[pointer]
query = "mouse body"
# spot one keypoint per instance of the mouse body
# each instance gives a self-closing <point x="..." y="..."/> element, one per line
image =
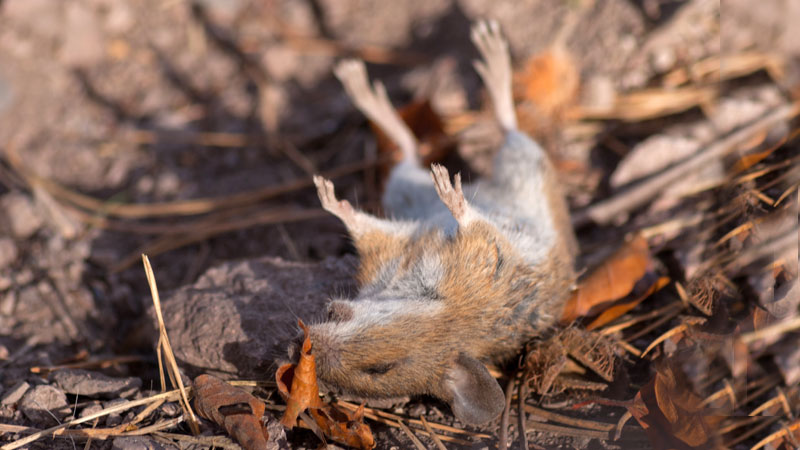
<point x="455" y="276"/>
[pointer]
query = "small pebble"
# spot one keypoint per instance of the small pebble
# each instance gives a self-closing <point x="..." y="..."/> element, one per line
<point x="94" y="384"/>
<point x="135" y="443"/>
<point x="40" y="403"/>
<point x="23" y="216"/>
<point x="15" y="394"/>
<point x="115" y="418"/>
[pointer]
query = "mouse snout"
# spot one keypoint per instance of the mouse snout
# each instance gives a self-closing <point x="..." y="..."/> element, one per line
<point x="324" y="347"/>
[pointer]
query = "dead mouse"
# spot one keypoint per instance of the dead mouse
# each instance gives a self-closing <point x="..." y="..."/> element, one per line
<point x="459" y="275"/>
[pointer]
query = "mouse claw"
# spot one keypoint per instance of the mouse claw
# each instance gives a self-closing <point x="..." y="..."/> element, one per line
<point x="452" y="196"/>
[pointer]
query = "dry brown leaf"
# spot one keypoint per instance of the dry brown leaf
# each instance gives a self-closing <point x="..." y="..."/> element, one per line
<point x="619" y="309"/>
<point x="338" y="425"/>
<point x="213" y="396"/>
<point x="302" y="378"/>
<point x="750" y="160"/>
<point x="672" y="415"/>
<point x="428" y="128"/>
<point x="344" y="426"/>
<point x="549" y="81"/>
<point x="610" y="281"/>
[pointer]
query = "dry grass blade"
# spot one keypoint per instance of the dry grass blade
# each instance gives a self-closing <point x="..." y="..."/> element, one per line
<point x="567" y="431"/>
<point x="607" y="210"/>
<point x="778" y="328"/>
<point x="174" y="208"/>
<point x="672" y="308"/>
<point x="649" y="103"/>
<point x="783" y="432"/>
<point x="566" y="420"/>
<point x="396" y="418"/>
<point x="668" y="334"/>
<point x="779" y="399"/>
<point x="164" y="343"/>
<point x="60" y="429"/>
<point x="720" y="68"/>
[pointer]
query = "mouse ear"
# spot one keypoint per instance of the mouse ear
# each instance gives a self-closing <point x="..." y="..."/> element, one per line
<point x="473" y="393"/>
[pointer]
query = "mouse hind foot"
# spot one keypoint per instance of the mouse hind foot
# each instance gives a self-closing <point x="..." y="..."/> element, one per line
<point x="374" y="103"/>
<point x="495" y="70"/>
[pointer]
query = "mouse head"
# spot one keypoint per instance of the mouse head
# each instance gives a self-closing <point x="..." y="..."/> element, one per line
<point x="398" y="347"/>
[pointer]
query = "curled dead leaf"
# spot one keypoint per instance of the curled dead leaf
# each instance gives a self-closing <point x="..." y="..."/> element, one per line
<point x="298" y="386"/>
<point x="618" y="309"/>
<point x="611" y="281"/>
<point x="233" y="409"/>
<point x="673" y="416"/>
<point x="302" y="378"/>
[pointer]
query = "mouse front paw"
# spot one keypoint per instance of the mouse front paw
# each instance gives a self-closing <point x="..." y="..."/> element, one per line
<point x="451" y="195"/>
<point x="339" y="208"/>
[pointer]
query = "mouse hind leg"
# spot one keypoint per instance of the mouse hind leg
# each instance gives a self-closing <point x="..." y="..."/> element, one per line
<point x="374" y="103"/>
<point x="409" y="192"/>
<point x="521" y="163"/>
<point x="495" y="70"/>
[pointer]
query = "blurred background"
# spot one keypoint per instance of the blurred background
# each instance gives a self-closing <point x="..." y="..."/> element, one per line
<point x="188" y="130"/>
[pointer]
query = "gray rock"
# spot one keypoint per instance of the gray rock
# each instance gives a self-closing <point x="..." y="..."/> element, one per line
<point x="239" y="317"/>
<point x="115" y="418"/>
<point x="94" y="408"/>
<point x="14" y="394"/>
<point x="23" y="217"/>
<point x="8" y="252"/>
<point x="38" y="403"/>
<point x="135" y="443"/>
<point x="94" y="384"/>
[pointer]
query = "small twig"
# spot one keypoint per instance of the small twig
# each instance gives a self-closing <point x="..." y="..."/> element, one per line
<point x="502" y="438"/>
<point x="155" y="427"/>
<point x="410" y="435"/>
<point x="433" y="435"/>
<point x="90" y="364"/>
<point x="747" y="434"/>
<point x="566" y="420"/>
<point x="566" y="431"/>
<point x="209" y="441"/>
<point x="522" y="394"/>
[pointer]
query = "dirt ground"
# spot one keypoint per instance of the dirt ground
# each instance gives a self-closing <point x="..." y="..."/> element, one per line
<point x="188" y="130"/>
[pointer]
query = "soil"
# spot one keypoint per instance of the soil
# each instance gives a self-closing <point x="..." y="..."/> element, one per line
<point x="160" y="101"/>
